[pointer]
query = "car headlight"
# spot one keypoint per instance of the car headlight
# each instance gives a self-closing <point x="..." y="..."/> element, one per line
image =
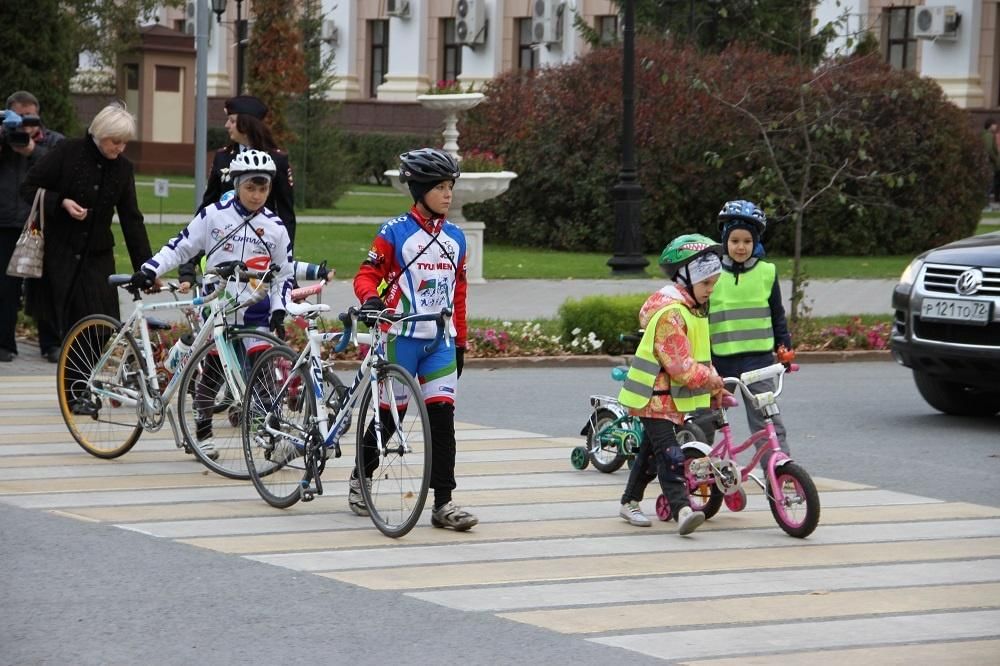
<point x="910" y="274"/>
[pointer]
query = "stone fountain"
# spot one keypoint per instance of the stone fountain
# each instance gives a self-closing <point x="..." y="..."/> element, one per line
<point x="472" y="187"/>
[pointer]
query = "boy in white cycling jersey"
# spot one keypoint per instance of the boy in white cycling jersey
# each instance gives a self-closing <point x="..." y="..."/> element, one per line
<point x="241" y="229"/>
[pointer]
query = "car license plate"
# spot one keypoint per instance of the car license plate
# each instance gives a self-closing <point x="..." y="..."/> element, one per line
<point x="945" y="309"/>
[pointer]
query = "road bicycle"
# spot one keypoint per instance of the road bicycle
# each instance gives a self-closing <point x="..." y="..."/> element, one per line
<point x="294" y="419"/>
<point x="715" y="476"/>
<point x="109" y="385"/>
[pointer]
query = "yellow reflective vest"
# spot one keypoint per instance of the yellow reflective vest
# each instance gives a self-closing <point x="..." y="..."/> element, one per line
<point x="740" y="317"/>
<point x="638" y="387"/>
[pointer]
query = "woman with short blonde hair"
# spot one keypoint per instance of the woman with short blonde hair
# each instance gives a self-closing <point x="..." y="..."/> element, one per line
<point x="113" y="122"/>
<point x="86" y="181"/>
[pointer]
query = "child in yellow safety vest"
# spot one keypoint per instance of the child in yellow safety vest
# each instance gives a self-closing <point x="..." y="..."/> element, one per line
<point x="671" y="375"/>
<point x="747" y="319"/>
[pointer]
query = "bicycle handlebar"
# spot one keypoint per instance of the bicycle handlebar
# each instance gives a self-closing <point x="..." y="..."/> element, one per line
<point x="753" y="376"/>
<point x="372" y="319"/>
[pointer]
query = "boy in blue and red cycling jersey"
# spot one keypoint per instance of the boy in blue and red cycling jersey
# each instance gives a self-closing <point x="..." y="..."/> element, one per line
<point x="416" y="265"/>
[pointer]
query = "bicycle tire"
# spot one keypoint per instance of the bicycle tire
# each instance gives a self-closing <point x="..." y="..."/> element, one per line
<point x="800" y="490"/>
<point x="102" y="427"/>
<point x="705" y="497"/>
<point x="613" y="459"/>
<point x="201" y="370"/>
<point x="269" y="396"/>
<point x="400" y="478"/>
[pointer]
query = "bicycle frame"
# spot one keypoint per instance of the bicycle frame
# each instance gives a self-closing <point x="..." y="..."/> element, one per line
<point x="153" y="404"/>
<point x="721" y="458"/>
<point x="375" y="357"/>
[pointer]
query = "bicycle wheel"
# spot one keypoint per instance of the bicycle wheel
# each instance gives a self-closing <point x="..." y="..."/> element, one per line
<point x="795" y="502"/>
<point x="398" y="460"/>
<point x="282" y="399"/>
<point x="606" y="455"/>
<point x="97" y="402"/>
<point x="706" y="496"/>
<point x="208" y="408"/>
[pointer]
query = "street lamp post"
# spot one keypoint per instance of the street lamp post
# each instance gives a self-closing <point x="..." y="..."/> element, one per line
<point x="219" y="7"/>
<point x="628" y="259"/>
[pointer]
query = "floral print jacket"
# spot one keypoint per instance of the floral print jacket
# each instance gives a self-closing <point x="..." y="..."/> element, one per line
<point x="673" y="350"/>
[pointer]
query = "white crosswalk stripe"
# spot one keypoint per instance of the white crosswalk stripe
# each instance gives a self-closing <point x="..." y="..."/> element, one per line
<point x="888" y="577"/>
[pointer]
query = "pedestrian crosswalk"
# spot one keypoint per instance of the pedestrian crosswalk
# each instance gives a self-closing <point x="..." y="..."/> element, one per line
<point x="888" y="577"/>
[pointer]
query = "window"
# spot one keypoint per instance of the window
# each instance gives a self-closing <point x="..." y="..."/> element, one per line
<point x="607" y="29"/>
<point x="451" y="58"/>
<point x="901" y="45"/>
<point x="526" y="56"/>
<point x="131" y="76"/>
<point x="378" y="37"/>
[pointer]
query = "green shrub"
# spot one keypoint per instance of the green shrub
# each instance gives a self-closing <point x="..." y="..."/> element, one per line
<point x="370" y="154"/>
<point x="607" y="317"/>
<point x="922" y="184"/>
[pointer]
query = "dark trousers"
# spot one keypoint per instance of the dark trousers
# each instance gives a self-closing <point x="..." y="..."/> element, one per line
<point x="10" y="290"/>
<point x="659" y="457"/>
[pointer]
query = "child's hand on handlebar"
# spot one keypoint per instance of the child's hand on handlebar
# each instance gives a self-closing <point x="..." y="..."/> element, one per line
<point x="722" y="398"/>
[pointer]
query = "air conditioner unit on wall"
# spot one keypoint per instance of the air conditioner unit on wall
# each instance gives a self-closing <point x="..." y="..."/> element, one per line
<point x="544" y="28"/>
<point x="398" y="8"/>
<point x="190" y="17"/>
<point x="470" y="22"/>
<point x="936" y="22"/>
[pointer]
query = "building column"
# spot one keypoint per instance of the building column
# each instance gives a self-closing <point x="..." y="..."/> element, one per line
<point x="344" y="18"/>
<point x="954" y="64"/>
<point x="221" y="41"/>
<point x="484" y="62"/>
<point x="407" y="77"/>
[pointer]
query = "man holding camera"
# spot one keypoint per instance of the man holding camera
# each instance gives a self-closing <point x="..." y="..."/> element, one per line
<point x="23" y="140"/>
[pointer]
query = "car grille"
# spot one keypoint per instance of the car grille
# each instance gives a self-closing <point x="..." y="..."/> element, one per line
<point x="941" y="279"/>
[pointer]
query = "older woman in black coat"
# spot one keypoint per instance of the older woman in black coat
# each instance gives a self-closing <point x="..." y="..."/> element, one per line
<point x="86" y="180"/>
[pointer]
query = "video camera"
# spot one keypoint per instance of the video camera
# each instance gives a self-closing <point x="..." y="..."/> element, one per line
<point x="12" y="129"/>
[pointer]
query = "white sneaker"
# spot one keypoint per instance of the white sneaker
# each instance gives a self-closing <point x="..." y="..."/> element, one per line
<point x="688" y="521"/>
<point x="633" y="514"/>
<point x="207" y="447"/>
<point x="283" y="452"/>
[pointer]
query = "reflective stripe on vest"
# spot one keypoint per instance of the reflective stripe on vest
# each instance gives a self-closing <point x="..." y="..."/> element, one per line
<point x="738" y="322"/>
<point x="638" y="386"/>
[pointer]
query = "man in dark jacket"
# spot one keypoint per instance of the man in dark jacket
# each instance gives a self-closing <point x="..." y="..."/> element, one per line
<point x="15" y="159"/>
<point x="20" y="148"/>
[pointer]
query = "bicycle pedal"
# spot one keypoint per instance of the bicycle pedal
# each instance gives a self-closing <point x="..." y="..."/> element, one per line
<point x="308" y="497"/>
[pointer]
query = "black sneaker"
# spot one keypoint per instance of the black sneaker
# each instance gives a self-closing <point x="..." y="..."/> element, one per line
<point x="52" y="355"/>
<point x="6" y="356"/>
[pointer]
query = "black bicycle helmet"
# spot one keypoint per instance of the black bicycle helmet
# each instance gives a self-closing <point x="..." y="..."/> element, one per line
<point x="427" y="165"/>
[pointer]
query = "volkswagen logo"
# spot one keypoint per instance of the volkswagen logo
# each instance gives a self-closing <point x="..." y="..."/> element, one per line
<point x="969" y="282"/>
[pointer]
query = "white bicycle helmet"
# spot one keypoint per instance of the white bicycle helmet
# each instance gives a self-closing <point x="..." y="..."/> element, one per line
<point x="251" y="163"/>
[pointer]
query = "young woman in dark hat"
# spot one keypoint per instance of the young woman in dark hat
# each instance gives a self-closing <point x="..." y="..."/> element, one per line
<point x="247" y="130"/>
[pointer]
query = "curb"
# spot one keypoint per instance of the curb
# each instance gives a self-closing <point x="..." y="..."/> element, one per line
<point x="805" y="358"/>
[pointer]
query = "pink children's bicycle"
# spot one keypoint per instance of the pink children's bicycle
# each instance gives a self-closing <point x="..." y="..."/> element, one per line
<point x="714" y="476"/>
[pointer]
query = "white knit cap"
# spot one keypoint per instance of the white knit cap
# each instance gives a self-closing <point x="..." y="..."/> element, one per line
<point x="704" y="267"/>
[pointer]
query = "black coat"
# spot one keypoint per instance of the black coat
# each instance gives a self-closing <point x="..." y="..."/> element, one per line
<point x="281" y="200"/>
<point x="79" y="254"/>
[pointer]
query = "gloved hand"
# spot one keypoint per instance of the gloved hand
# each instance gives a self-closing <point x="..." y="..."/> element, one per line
<point x="373" y="304"/>
<point x="143" y="279"/>
<point x="323" y="271"/>
<point x="459" y="359"/>
<point x="785" y="356"/>
<point x="277" y="323"/>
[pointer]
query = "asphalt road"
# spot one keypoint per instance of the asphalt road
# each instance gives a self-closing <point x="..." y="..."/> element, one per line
<point x="78" y="588"/>
<point x="862" y="422"/>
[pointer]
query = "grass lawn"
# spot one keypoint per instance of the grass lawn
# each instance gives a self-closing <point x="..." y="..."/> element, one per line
<point x="345" y="245"/>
